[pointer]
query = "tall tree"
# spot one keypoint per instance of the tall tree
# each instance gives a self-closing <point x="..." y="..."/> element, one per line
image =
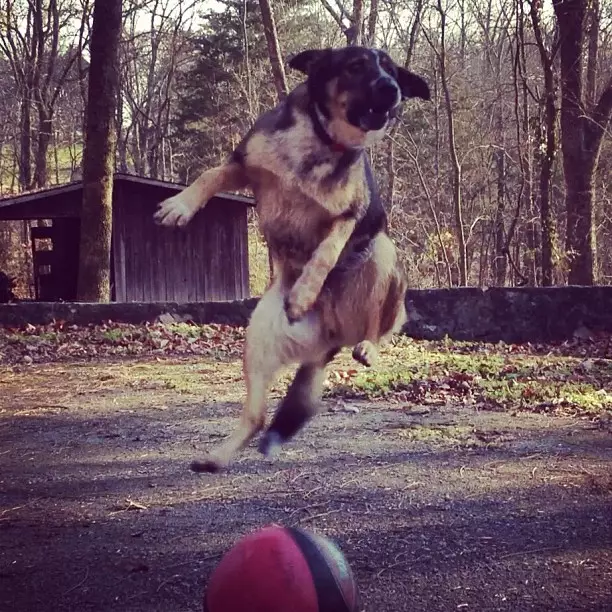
<point x="547" y="148"/>
<point x="99" y="154"/>
<point x="583" y="125"/>
<point x="17" y="44"/>
<point x="274" y="52"/>
<point x="357" y="25"/>
<point x="370" y="37"/>
<point x="441" y="52"/>
<point x="525" y="200"/>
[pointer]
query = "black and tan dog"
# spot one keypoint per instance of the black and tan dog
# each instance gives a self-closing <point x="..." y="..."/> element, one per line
<point x="336" y="277"/>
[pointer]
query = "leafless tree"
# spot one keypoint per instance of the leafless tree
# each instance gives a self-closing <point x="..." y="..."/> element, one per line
<point x="30" y="42"/>
<point x="151" y="56"/>
<point x="583" y="124"/>
<point x="473" y="180"/>
<point x="439" y="48"/>
<point x="274" y="52"/>
<point x="547" y="146"/>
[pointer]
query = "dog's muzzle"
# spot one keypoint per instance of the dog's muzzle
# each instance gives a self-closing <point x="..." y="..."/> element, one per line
<point x="374" y="112"/>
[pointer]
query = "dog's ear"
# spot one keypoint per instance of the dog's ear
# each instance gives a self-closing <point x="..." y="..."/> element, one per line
<point x="305" y="60"/>
<point x="412" y="85"/>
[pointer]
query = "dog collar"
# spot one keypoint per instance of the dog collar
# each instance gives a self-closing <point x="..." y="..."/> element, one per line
<point x="318" y="122"/>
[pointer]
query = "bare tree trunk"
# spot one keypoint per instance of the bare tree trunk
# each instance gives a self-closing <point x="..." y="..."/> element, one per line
<point x="56" y="158"/>
<point x="247" y="60"/>
<point x="357" y="23"/>
<point x="372" y="20"/>
<point x="500" y="261"/>
<point x="81" y="63"/>
<point x="99" y="154"/>
<point x="547" y="153"/>
<point x="123" y="134"/>
<point x="525" y="200"/>
<point x="454" y="156"/>
<point x="45" y="132"/>
<point x="582" y="129"/>
<point x="274" y="52"/>
<point x="593" y="50"/>
<point x="390" y="153"/>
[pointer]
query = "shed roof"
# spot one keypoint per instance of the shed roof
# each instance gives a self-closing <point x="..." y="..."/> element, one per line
<point x="65" y="200"/>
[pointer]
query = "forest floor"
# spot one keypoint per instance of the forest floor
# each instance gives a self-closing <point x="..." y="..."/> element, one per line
<point x="454" y="476"/>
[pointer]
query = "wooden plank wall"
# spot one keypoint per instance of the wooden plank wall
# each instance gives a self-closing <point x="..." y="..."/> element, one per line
<point x="206" y="261"/>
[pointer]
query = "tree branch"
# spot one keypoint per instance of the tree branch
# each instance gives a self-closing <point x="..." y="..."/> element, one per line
<point x="337" y="16"/>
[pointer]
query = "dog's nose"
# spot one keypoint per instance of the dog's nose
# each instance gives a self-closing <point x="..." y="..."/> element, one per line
<point x="385" y="93"/>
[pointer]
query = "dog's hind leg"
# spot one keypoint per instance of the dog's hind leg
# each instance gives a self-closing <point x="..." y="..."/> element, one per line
<point x="366" y="352"/>
<point x="271" y="343"/>
<point x="302" y="402"/>
<point x="252" y="418"/>
<point x="261" y="364"/>
<point x="180" y="209"/>
<point x="385" y="312"/>
<point x="382" y="323"/>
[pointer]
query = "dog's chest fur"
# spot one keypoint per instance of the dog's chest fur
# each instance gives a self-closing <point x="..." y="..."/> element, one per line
<point x="293" y="224"/>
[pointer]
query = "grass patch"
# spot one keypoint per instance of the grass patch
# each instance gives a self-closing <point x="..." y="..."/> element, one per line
<point x="259" y="263"/>
<point x="437" y="373"/>
<point x="560" y="379"/>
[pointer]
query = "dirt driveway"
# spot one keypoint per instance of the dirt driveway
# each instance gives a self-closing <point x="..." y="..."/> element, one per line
<point x="437" y="507"/>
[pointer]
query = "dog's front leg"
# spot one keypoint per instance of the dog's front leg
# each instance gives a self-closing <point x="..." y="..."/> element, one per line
<point x="180" y="209"/>
<point x="306" y="289"/>
<point x="301" y="403"/>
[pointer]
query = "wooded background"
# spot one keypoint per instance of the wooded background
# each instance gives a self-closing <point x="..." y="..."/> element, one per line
<point x="504" y="178"/>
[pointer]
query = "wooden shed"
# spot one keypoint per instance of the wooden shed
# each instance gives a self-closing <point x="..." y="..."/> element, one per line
<point x="206" y="261"/>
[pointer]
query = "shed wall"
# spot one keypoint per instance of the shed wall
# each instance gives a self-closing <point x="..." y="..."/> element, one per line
<point x="206" y="261"/>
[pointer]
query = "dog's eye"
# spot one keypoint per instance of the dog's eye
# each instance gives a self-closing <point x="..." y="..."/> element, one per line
<point x="356" y="67"/>
<point x="387" y="65"/>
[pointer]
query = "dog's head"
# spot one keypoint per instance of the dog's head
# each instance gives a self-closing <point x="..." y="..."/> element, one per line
<point x="359" y="86"/>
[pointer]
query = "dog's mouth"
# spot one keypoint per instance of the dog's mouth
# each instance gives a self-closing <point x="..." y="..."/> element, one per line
<point x="370" y="118"/>
<point x="374" y="120"/>
<point x="375" y="112"/>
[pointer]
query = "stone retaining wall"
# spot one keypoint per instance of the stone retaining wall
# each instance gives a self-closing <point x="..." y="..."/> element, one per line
<point x="512" y="315"/>
<point x="42" y="313"/>
<point x="528" y="314"/>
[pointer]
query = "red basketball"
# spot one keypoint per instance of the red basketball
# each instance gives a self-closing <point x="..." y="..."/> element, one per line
<point x="282" y="569"/>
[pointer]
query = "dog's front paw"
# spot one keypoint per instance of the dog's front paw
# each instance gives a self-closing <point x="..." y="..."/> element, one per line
<point x="298" y="303"/>
<point x="174" y="212"/>
<point x="293" y="314"/>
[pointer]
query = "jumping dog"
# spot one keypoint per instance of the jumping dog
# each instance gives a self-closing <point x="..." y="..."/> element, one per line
<point x="336" y="280"/>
